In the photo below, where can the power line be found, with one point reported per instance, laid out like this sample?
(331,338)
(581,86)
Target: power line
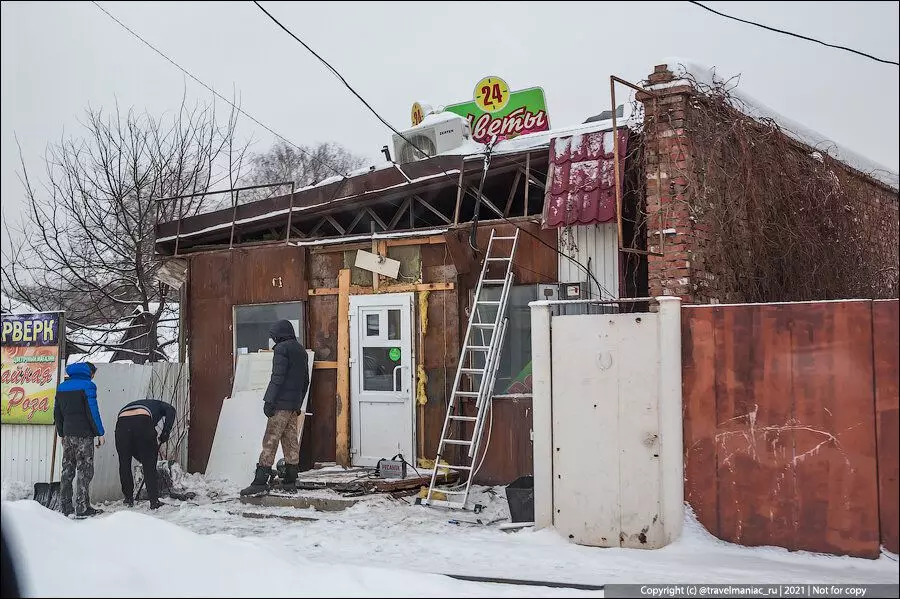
(797,35)
(217,94)
(346,84)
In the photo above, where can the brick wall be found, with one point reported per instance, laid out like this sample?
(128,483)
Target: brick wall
(686,268)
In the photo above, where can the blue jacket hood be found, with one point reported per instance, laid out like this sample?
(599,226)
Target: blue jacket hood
(79,370)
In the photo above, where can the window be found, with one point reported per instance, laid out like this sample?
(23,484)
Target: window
(514,372)
(253,322)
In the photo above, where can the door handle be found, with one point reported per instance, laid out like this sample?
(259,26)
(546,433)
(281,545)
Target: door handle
(394,377)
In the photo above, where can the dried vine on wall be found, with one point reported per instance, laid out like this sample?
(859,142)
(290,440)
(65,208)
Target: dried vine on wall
(776,220)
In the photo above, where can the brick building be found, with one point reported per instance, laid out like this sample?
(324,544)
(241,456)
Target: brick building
(698,258)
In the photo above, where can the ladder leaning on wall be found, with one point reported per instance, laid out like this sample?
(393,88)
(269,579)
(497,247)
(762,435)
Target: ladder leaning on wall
(482,344)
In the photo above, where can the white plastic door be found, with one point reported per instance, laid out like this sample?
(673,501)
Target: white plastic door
(381,378)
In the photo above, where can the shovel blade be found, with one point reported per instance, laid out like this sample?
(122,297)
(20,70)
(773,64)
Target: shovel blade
(47,494)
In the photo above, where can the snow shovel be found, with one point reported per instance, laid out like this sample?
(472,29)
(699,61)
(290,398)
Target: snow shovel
(47,494)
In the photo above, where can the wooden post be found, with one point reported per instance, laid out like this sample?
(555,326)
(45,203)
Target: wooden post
(376,278)
(381,250)
(342,449)
(459,191)
(527,181)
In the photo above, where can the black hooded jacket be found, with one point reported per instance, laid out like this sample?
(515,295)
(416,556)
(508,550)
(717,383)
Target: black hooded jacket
(290,369)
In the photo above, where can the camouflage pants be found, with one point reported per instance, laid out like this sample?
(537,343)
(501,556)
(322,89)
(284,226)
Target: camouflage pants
(77,466)
(282,427)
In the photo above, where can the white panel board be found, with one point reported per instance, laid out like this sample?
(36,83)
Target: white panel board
(639,491)
(375,263)
(586,430)
(239,432)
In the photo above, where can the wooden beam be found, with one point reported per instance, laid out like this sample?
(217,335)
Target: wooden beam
(355,221)
(376,278)
(512,192)
(430,240)
(362,245)
(433,209)
(376,219)
(459,191)
(528,176)
(487,202)
(337,226)
(533,180)
(342,448)
(317,227)
(404,288)
(400,211)
(324,365)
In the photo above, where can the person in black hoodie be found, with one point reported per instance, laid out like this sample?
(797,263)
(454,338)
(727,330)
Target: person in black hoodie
(136,438)
(281,405)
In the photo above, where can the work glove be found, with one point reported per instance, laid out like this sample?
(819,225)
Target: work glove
(163,438)
(100,441)
(268,409)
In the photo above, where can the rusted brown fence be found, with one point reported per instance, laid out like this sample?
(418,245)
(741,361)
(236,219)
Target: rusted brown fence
(791,423)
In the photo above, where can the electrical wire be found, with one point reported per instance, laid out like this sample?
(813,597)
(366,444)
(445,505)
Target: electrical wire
(797,35)
(218,95)
(346,84)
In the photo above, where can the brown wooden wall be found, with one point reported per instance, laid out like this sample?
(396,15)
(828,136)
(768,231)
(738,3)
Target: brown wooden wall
(780,423)
(216,283)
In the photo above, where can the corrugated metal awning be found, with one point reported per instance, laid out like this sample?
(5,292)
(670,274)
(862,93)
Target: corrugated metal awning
(581,184)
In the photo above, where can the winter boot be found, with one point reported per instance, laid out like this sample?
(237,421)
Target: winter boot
(155,504)
(90,511)
(129,502)
(289,481)
(260,482)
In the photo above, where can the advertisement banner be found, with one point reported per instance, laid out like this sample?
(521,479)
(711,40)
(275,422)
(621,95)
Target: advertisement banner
(30,367)
(496,111)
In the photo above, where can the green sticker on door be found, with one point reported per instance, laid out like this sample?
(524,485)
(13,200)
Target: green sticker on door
(394,354)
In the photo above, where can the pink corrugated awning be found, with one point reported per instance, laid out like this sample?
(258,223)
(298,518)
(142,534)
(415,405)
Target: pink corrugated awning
(581,183)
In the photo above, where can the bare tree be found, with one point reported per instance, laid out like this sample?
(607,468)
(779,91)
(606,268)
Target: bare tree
(86,242)
(304,166)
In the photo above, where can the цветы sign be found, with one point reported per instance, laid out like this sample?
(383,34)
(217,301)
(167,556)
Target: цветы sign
(495,111)
(30,367)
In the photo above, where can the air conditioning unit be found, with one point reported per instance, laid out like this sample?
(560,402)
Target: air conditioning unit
(437,134)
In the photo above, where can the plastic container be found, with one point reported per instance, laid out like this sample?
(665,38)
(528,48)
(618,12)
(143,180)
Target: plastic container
(520,497)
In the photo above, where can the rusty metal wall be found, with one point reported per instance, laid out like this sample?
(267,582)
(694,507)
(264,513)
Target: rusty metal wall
(779,424)
(886,332)
(216,283)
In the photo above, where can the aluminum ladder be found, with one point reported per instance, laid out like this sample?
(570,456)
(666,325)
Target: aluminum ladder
(490,330)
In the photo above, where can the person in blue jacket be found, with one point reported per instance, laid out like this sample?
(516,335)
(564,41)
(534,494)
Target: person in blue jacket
(77,418)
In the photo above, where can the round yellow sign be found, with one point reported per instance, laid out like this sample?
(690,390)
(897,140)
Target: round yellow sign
(417,115)
(491,94)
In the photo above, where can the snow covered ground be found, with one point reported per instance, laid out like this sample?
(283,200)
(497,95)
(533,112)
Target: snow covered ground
(379,547)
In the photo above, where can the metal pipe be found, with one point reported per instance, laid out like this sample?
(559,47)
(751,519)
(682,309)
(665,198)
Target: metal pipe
(234,204)
(287,236)
(178,230)
(618,182)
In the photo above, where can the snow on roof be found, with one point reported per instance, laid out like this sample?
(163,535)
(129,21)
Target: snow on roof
(688,72)
(272,213)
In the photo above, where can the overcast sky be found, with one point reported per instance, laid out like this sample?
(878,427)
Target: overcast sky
(58,58)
